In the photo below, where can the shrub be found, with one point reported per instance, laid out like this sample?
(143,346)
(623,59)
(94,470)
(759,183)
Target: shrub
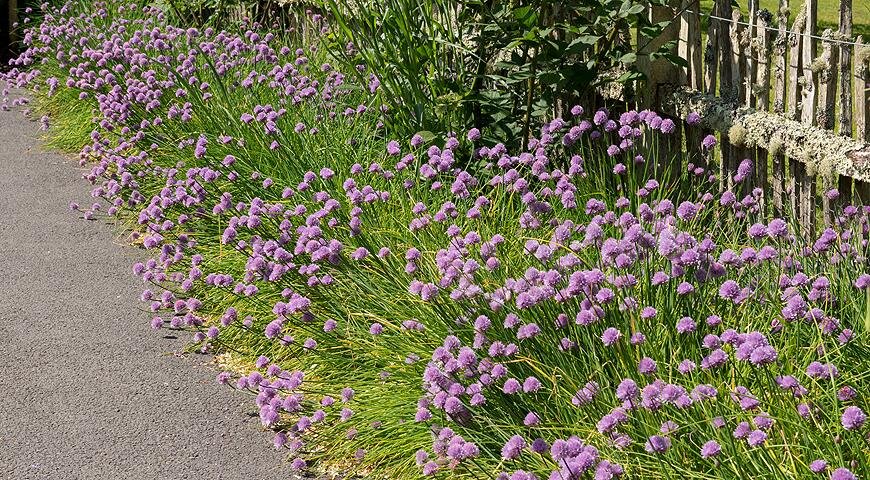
(447,66)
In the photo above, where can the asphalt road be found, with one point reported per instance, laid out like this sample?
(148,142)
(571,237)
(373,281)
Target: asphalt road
(87,389)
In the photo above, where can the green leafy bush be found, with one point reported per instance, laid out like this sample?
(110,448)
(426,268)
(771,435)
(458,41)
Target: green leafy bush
(503,65)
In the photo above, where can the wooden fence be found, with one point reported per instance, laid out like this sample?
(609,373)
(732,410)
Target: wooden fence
(791,99)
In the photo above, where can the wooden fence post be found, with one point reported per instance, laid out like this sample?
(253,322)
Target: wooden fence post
(808,103)
(827,73)
(805,179)
(711,50)
(660,72)
(738,59)
(845,119)
(690,49)
(794,65)
(762,35)
(692,17)
(780,45)
(727,89)
(862,120)
(862,111)
(762,44)
(749,35)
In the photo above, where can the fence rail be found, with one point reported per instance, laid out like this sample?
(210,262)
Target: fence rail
(792,100)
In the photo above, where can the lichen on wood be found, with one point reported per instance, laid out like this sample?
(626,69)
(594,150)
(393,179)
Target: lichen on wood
(823,152)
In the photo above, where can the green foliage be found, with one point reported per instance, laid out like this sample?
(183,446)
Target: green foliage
(222,13)
(503,65)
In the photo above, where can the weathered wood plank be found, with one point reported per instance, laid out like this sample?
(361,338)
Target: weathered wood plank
(742,77)
(690,40)
(795,56)
(808,86)
(826,69)
(845,116)
(862,108)
(763,56)
(738,57)
(696,76)
(660,72)
(791,189)
(750,57)
(777,182)
(711,56)
(778,163)
(780,44)
(8,32)
(762,94)
(684,48)
(844,188)
(727,88)
(805,180)
(862,192)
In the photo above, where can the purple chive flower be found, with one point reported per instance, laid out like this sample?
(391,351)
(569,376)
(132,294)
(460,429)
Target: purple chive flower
(531,384)
(600,117)
(657,444)
(843,474)
(513,447)
(756,438)
(430,468)
(853,418)
(686,366)
(531,419)
(646,366)
(511,386)
(708,142)
(613,150)
(846,393)
(821,371)
(669,427)
(393,148)
(686,325)
(637,338)
(627,390)
(687,211)
(710,449)
(803,410)
(818,465)
(611,336)
(742,431)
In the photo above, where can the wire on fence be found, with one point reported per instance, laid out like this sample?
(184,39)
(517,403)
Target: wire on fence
(802,34)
